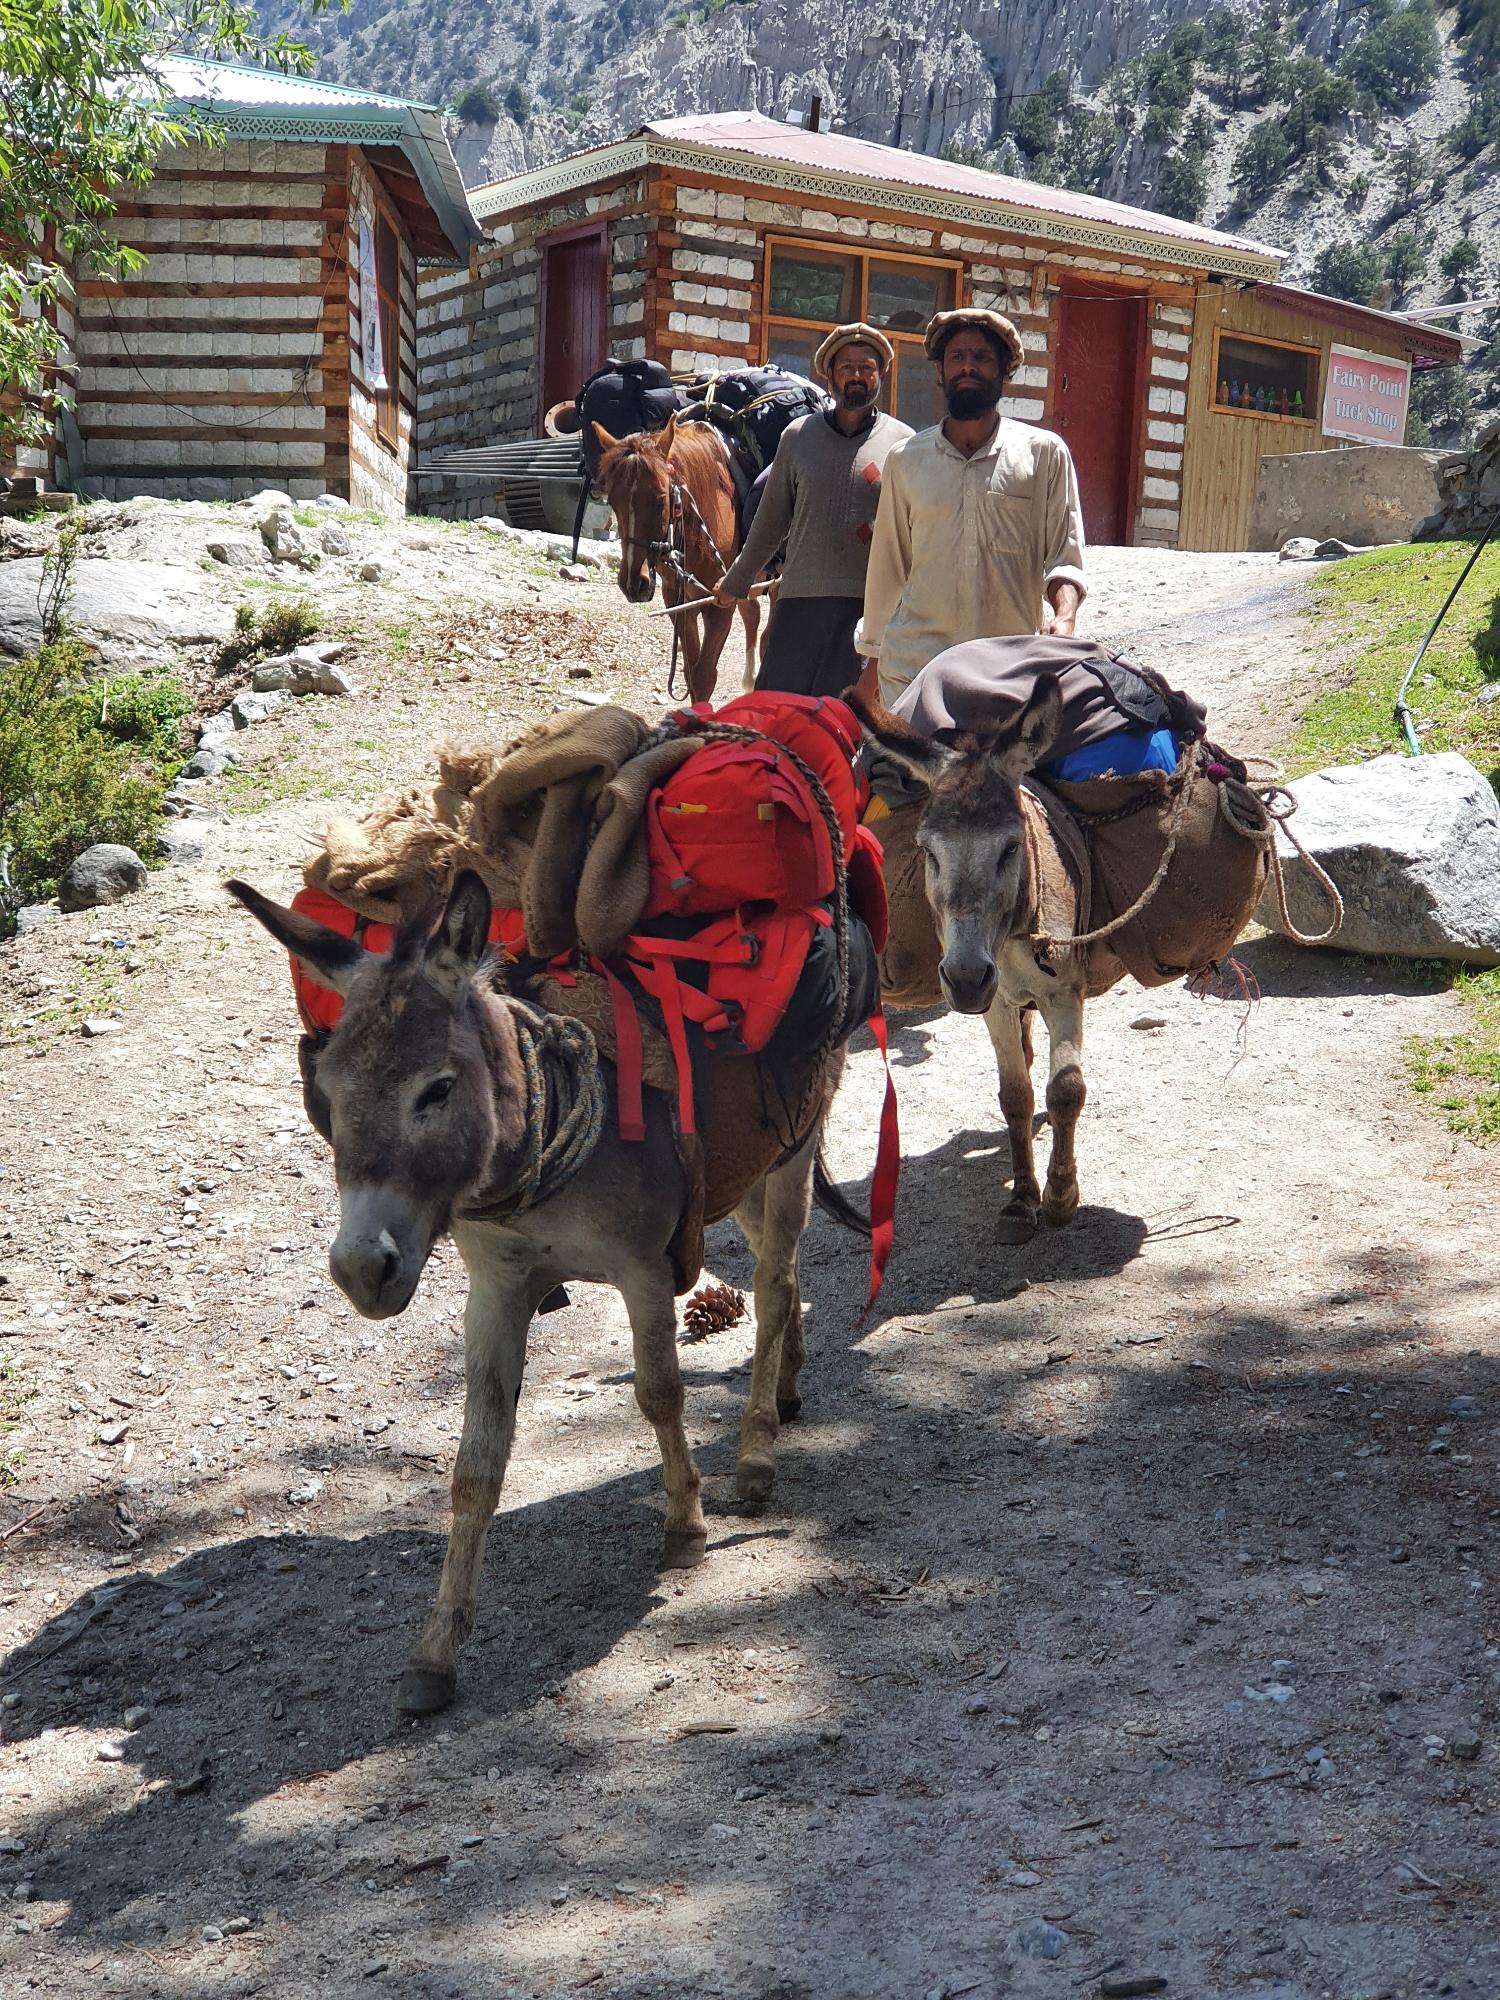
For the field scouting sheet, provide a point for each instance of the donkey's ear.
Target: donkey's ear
(330, 959)
(886, 732)
(1026, 742)
(606, 441)
(462, 936)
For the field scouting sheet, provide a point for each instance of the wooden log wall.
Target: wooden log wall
(203, 376)
(688, 262)
(1225, 446)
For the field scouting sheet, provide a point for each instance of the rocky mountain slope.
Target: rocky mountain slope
(1361, 135)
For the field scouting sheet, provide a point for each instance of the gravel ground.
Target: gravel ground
(1121, 1611)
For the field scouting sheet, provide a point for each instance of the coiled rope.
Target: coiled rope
(565, 1098)
(1254, 809)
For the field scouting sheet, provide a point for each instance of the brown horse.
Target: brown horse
(673, 498)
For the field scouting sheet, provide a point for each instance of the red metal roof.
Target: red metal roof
(751, 133)
(1423, 343)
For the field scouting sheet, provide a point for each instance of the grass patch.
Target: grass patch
(13, 1393)
(1461, 1073)
(1384, 602)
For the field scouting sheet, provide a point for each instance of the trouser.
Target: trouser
(810, 646)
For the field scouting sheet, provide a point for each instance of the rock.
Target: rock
(127, 613)
(335, 542)
(719, 1831)
(1333, 549)
(103, 873)
(236, 553)
(372, 572)
(281, 536)
(601, 555)
(248, 708)
(301, 672)
(30, 915)
(11, 1844)
(1023, 1878)
(579, 672)
(134, 1717)
(573, 573)
(1149, 1021)
(335, 501)
(1464, 1744)
(110, 1753)
(1131, 1985)
(215, 728)
(113, 1433)
(1038, 1939)
(210, 760)
(976, 1705)
(1301, 548)
(1413, 844)
(211, 1934)
(267, 502)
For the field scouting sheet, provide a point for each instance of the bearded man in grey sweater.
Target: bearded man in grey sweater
(820, 501)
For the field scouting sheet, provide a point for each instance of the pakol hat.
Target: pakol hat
(996, 325)
(846, 336)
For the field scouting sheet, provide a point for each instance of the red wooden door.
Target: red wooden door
(1097, 403)
(575, 300)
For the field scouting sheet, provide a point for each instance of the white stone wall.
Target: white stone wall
(1158, 516)
(479, 334)
(379, 475)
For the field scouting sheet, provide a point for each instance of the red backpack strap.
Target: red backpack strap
(887, 1173)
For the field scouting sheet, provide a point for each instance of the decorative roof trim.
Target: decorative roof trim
(622, 156)
(581, 170)
(261, 121)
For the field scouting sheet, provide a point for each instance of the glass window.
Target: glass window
(814, 284)
(791, 347)
(904, 297)
(1260, 378)
(915, 396)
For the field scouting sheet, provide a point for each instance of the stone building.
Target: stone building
(270, 338)
(1165, 352)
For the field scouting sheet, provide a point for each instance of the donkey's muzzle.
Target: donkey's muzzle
(377, 1258)
(969, 983)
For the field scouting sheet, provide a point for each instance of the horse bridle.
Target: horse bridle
(671, 554)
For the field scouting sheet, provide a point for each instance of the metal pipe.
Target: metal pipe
(1401, 712)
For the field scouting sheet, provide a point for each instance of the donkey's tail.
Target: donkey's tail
(831, 1198)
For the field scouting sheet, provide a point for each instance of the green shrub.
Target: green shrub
(278, 629)
(80, 761)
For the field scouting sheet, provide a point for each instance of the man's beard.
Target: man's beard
(856, 396)
(976, 400)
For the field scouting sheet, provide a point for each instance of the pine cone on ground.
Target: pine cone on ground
(711, 1310)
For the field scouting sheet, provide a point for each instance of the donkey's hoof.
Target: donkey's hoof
(1016, 1224)
(683, 1548)
(788, 1408)
(426, 1690)
(754, 1476)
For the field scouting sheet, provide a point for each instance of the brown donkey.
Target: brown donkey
(673, 499)
(990, 864)
(428, 1092)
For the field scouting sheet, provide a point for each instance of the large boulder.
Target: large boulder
(127, 613)
(103, 873)
(1413, 844)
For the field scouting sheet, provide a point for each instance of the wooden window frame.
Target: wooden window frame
(1319, 357)
(908, 345)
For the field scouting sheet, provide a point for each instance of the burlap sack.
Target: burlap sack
(1209, 891)
(909, 963)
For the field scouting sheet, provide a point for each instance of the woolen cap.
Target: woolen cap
(993, 323)
(846, 336)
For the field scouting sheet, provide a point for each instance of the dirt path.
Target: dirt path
(1077, 1555)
